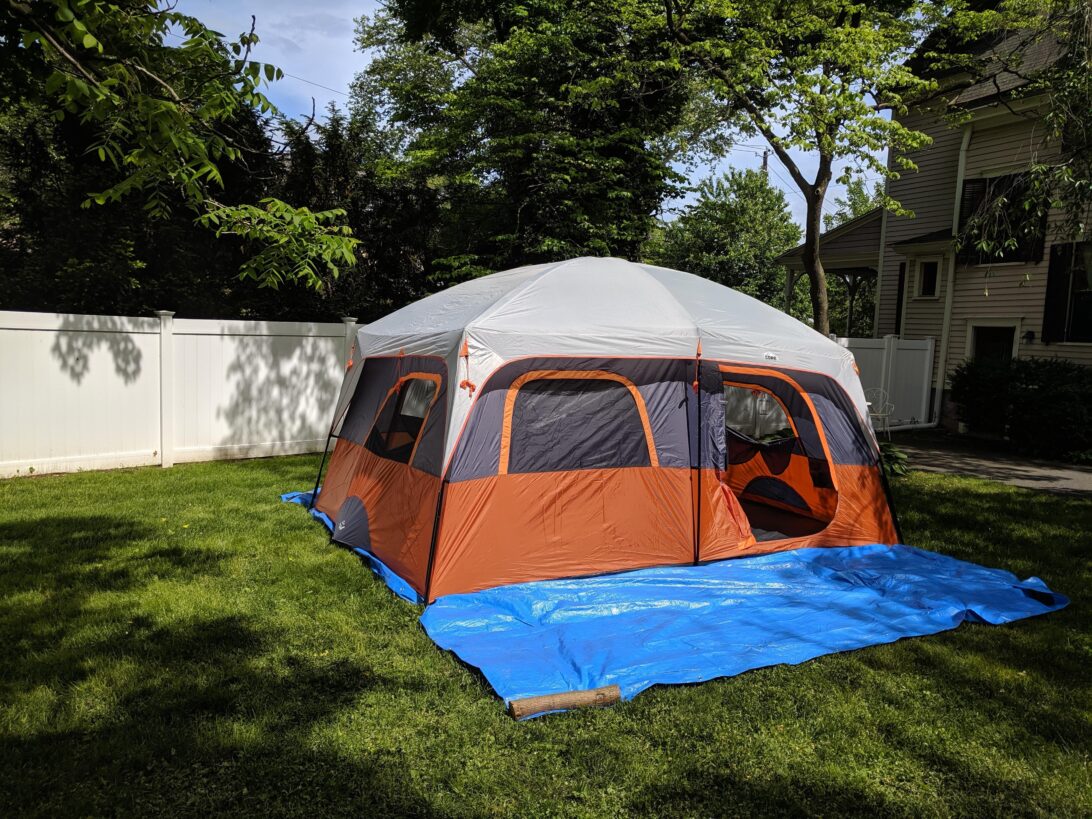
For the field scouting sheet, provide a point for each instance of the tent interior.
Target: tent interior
(783, 493)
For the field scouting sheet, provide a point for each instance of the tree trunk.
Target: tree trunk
(813, 265)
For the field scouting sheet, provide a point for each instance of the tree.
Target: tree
(858, 201)
(164, 118)
(543, 128)
(731, 234)
(822, 76)
(351, 161)
(1064, 111)
(853, 290)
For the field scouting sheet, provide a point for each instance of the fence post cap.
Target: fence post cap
(349, 319)
(164, 313)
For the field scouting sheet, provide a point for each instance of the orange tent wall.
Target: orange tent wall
(510, 528)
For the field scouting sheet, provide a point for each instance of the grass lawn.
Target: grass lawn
(180, 641)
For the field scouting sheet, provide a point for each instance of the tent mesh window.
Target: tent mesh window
(399, 423)
(576, 423)
(755, 414)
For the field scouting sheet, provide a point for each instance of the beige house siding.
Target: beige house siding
(1015, 294)
(1004, 145)
(924, 317)
(1007, 294)
(860, 242)
(929, 193)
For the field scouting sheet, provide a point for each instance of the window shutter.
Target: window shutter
(974, 193)
(971, 200)
(1057, 292)
(898, 300)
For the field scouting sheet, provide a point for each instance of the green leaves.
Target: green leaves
(731, 234)
(286, 243)
(164, 113)
(544, 130)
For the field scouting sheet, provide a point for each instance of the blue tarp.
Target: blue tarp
(381, 570)
(686, 624)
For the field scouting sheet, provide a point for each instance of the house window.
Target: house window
(755, 414)
(993, 210)
(928, 269)
(1068, 311)
(400, 422)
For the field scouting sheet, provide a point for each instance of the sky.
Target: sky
(313, 44)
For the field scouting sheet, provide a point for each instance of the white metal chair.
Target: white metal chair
(879, 410)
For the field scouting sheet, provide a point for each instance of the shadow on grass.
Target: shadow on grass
(111, 705)
(975, 720)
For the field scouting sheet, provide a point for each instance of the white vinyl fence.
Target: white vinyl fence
(96, 392)
(902, 368)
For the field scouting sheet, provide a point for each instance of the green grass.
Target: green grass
(180, 641)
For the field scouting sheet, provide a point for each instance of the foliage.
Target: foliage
(113, 259)
(1020, 213)
(177, 642)
(162, 116)
(1043, 406)
(351, 162)
(297, 241)
(857, 201)
(732, 233)
(544, 129)
(895, 461)
(821, 77)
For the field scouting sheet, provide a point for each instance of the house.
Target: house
(1035, 302)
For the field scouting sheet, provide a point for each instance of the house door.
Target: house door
(993, 343)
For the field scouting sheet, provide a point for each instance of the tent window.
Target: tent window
(755, 414)
(399, 423)
(560, 424)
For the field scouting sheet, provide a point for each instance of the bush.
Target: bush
(1042, 405)
(895, 462)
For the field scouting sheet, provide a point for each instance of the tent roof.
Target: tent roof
(601, 307)
(593, 298)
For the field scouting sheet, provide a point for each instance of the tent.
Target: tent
(595, 416)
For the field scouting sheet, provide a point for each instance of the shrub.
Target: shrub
(895, 462)
(1042, 405)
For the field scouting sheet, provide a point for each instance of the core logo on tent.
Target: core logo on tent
(341, 525)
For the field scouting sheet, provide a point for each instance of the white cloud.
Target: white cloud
(315, 46)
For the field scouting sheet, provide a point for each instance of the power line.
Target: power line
(316, 84)
(798, 192)
(286, 74)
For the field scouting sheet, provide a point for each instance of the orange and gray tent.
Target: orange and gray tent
(596, 416)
